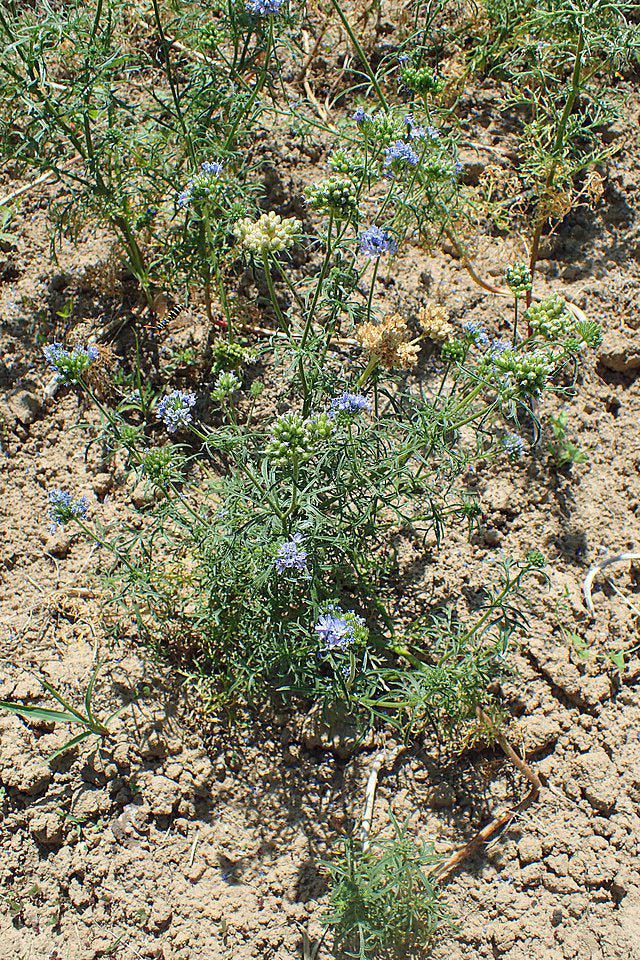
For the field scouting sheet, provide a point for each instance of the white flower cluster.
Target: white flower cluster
(270, 234)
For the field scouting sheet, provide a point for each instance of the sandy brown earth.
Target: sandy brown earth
(177, 843)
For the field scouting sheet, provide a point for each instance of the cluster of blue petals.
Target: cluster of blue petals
(175, 409)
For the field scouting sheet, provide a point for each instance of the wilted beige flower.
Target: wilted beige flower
(389, 342)
(269, 234)
(434, 321)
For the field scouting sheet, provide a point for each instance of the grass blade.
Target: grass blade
(41, 713)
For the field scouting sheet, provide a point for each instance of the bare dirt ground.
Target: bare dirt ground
(178, 843)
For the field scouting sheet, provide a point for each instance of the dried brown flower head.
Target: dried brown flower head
(434, 322)
(389, 342)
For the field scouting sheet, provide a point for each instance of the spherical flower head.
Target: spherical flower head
(161, 464)
(295, 440)
(69, 365)
(349, 404)
(333, 631)
(335, 195)
(63, 509)
(519, 279)
(475, 334)
(202, 187)
(514, 446)
(361, 116)
(422, 80)
(175, 409)
(498, 347)
(389, 342)
(549, 319)
(264, 8)
(425, 133)
(454, 350)
(522, 374)
(399, 156)
(225, 386)
(535, 558)
(379, 129)
(375, 242)
(292, 555)
(347, 162)
(289, 440)
(434, 322)
(270, 234)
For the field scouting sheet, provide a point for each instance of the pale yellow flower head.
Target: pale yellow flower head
(270, 234)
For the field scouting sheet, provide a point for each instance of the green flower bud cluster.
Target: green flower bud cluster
(535, 558)
(226, 384)
(161, 465)
(522, 374)
(206, 190)
(347, 162)
(128, 436)
(519, 279)
(549, 318)
(295, 440)
(230, 356)
(211, 37)
(453, 351)
(381, 129)
(270, 234)
(422, 80)
(437, 169)
(335, 195)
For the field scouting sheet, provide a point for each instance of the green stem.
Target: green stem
(321, 279)
(272, 296)
(108, 546)
(363, 57)
(372, 287)
(174, 92)
(257, 90)
(558, 144)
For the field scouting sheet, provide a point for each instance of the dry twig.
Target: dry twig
(501, 821)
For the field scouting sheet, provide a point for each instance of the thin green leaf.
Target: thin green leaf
(69, 744)
(57, 696)
(39, 713)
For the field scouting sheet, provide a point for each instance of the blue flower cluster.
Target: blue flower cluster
(514, 446)
(351, 403)
(69, 364)
(209, 169)
(264, 8)
(175, 409)
(375, 242)
(334, 631)
(498, 347)
(400, 154)
(475, 333)
(62, 508)
(416, 132)
(292, 555)
(361, 116)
